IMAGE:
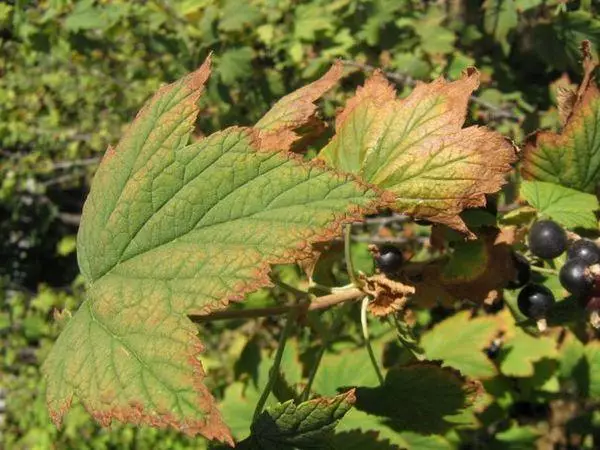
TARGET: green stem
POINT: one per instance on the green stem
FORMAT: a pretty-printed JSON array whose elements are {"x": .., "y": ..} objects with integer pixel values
[
  {"x": 348, "y": 255},
  {"x": 288, "y": 287},
  {"x": 544, "y": 270},
  {"x": 274, "y": 371},
  {"x": 365, "y": 330},
  {"x": 333, "y": 331}
]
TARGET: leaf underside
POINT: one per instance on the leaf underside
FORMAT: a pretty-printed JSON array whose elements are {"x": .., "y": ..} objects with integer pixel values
[
  {"x": 171, "y": 229},
  {"x": 417, "y": 150}
]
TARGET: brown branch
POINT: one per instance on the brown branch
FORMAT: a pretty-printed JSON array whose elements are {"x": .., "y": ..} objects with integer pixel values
[
  {"x": 405, "y": 79},
  {"x": 319, "y": 303}
]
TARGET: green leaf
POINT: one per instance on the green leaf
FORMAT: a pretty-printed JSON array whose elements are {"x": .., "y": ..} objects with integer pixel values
[
  {"x": 459, "y": 342},
  {"x": 171, "y": 230},
  {"x": 518, "y": 438},
  {"x": 236, "y": 64},
  {"x": 309, "y": 425},
  {"x": 350, "y": 368},
  {"x": 407, "y": 440},
  {"x": 592, "y": 357},
  {"x": 521, "y": 351},
  {"x": 361, "y": 440},
  {"x": 237, "y": 15},
  {"x": 499, "y": 19},
  {"x": 416, "y": 150},
  {"x": 568, "y": 207},
  {"x": 558, "y": 41},
  {"x": 421, "y": 397}
]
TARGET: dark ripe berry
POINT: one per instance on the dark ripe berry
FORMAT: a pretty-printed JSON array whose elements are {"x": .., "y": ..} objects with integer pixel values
[
  {"x": 535, "y": 301},
  {"x": 522, "y": 271},
  {"x": 576, "y": 278},
  {"x": 586, "y": 250},
  {"x": 547, "y": 239},
  {"x": 390, "y": 259}
]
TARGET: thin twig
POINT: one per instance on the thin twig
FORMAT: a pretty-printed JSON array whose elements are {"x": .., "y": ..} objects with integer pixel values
[
  {"x": 326, "y": 341},
  {"x": 60, "y": 165},
  {"x": 319, "y": 303},
  {"x": 405, "y": 79},
  {"x": 544, "y": 270},
  {"x": 348, "y": 255}
]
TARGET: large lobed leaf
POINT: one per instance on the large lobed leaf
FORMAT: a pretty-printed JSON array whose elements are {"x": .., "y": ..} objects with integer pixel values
[
  {"x": 416, "y": 149},
  {"x": 571, "y": 158},
  {"x": 171, "y": 229}
]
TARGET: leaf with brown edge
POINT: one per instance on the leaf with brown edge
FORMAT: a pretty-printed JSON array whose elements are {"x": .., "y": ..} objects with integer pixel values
[
  {"x": 416, "y": 148},
  {"x": 278, "y": 128},
  {"x": 476, "y": 271},
  {"x": 570, "y": 158},
  {"x": 172, "y": 229}
]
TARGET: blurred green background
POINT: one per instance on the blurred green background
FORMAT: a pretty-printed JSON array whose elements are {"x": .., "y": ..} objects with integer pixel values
[{"x": 74, "y": 73}]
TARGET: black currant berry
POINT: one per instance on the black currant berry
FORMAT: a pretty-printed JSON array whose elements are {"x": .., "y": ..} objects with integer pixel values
[
  {"x": 576, "y": 278},
  {"x": 522, "y": 271},
  {"x": 535, "y": 301},
  {"x": 547, "y": 239},
  {"x": 586, "y": 250},
  {"x": 390, "y": 259}
]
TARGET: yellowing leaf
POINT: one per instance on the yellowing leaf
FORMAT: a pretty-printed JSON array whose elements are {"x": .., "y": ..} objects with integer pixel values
[
  {"x": 459, "y": 342},
  {"x": 416, "y": 149},
  {"x": 278, "y": 126},
  {"x": 171, "y": 229},
  {"x": 571, "y": 158}
]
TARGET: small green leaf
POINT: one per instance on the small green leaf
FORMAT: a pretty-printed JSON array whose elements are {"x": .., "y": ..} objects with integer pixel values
[
  {"x": 361, "y": 440},
  {"x": 236, "y": 64},
  {"x": 459, "y": 342},
  {"x": 499, "y": 19},
  {"x": 592, "y": 357},
  {"x": 518, "y": 438},
  {"x": 350, "y": 368},
  {"x": 309, "y": 425},
  {"x": 358, "y": 420},
  {"x": 568, "y": 207},
  {"x": 422, "y": 397},
  {"x": 558, "y": 41},
  {"x": 522, "y": 350}
]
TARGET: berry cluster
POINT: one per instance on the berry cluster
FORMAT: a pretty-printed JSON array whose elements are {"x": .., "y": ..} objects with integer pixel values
[{"x": 547, "y": 240}]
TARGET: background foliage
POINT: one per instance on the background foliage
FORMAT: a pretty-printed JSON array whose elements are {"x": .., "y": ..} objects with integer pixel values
[{"x": 72, "y": 74}]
